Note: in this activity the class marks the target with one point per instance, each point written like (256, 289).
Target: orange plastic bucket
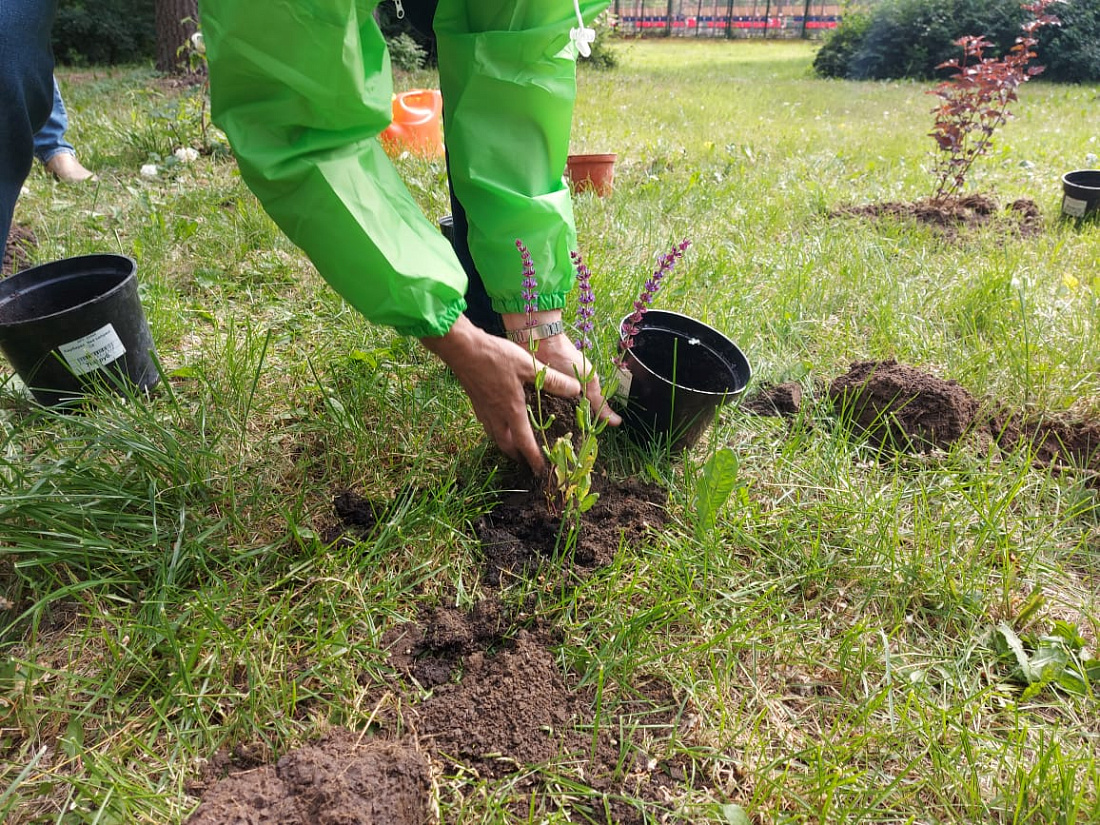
(417, 125)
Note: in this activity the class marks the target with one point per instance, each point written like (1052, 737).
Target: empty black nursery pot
(681, 372)
(75, 324)
(1081, 192)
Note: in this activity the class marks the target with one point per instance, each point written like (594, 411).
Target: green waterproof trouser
(303, 88)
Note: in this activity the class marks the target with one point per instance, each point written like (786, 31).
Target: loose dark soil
(900, 407)
(955, 215)
(338, 780)
(21, 240)
(498, 703)
(783, 400)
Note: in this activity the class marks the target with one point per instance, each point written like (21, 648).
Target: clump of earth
(903, 408)
(342, 779)
(954, 214)
(21, 240)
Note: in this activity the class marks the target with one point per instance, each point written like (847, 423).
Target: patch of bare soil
(520, 534)
(900, 406)
(956, 214)
(338, 780)
(500, 705)
(21, 240)
(1054, 441)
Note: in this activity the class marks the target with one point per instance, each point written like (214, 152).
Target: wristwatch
(535, 333)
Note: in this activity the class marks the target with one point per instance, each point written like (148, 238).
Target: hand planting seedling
(572, 460)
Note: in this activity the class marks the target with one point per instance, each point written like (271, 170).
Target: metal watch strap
(535, 333)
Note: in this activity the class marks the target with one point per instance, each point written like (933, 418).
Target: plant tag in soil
(1073, 207)
(96, 349)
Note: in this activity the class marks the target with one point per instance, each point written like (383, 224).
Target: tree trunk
(177, 20)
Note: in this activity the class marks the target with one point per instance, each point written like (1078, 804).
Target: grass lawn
(860, 636)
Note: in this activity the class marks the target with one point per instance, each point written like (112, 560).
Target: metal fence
(695, 18)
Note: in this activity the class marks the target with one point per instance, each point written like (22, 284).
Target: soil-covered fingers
(493, 372)
(560, 353)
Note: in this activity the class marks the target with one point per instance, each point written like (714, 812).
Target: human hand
(493, 371)
(558, 352)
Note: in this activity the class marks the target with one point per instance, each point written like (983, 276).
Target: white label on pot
(96, 349)
(1073, 207)
(622, 388)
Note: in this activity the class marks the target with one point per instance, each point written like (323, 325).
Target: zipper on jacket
(400, 8)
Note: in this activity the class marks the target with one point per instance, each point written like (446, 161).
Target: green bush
(909, 38)
(406, 53)
(840, 45)
(1071, 52)
(104, 31)
(603, 55)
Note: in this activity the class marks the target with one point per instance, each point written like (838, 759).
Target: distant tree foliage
(104, 32)
(909, 38)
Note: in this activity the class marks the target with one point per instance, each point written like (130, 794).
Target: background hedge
(909, 38)
(104, 31)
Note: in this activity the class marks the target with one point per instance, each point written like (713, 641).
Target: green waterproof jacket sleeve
(507, 71)
(303, 88)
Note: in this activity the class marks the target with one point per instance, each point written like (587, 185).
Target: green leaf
(1016, 647)
(714, 487)
(73, 740)
(588, 501)
(735, 815)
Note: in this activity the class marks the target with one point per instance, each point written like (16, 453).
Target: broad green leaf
(1012, 641)
(735, 815)
(714, 487)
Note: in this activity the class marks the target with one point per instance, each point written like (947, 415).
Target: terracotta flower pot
(677, 374)
(595, 172)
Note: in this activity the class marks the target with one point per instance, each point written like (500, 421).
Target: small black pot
(678, 373)
(76, 324)
(1081, 192)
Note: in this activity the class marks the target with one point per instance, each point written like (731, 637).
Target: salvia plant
(571, 467)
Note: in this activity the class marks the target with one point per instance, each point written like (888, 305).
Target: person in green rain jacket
(303, 88)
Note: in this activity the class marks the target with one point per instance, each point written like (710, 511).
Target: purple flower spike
(530, 292)
(632, 325)
(586, 301)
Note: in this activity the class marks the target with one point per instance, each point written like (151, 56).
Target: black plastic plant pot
(75, 325)
(1081, 192)
(677, 374)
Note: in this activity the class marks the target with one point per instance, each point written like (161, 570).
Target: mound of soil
(898, 405)
(21, 240)
(954, 214)
(505, 705)
(1054, 441)
(338, 780)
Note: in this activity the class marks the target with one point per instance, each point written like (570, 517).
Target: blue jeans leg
(26, 92)
(50, 139)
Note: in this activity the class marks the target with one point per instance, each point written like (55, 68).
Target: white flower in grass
(149, 170)
(24, 191)
(197, 43)
(185, 154)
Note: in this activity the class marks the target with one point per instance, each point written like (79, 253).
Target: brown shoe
(65, 167)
